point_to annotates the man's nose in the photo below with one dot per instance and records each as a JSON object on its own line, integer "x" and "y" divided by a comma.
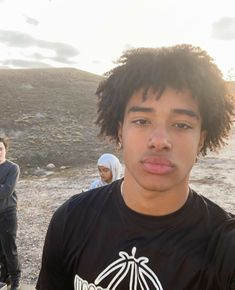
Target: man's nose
{"x": 159, "y": 139}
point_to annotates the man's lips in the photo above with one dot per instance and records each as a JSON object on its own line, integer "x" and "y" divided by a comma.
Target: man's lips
{"x": 157, "y": 165}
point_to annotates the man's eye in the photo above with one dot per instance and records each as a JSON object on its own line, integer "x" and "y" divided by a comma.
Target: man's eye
{"x": 182, "y": 126}
{"x": 141, "y": 122}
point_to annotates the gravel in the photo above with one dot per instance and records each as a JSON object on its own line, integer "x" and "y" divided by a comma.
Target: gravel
{"x": 39, "y": 197}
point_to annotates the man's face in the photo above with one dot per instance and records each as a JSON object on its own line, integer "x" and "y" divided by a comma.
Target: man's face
{"x": 161, "y": 139}
{"x": 2, "y": 152}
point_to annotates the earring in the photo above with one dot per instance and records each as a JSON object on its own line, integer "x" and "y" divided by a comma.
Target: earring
{"x": 120, "y": 145}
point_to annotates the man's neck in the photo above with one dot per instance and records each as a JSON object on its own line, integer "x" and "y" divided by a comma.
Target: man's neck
{"x": 155, "y": 203}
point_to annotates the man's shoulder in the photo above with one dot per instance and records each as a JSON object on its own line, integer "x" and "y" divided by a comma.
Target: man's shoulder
{"x": 223, "y": 238}
{"x": 223, "y": 246}
{"x": 80, "y": 212}
{"x": 227, "y": 232}
{"x": 213, "y": 209}
{"x": 86, "y": 202}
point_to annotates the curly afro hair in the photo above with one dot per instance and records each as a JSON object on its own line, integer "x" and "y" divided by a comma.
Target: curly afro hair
{"x": 180, "y": 67}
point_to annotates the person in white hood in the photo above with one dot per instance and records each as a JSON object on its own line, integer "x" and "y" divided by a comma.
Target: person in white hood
{"x": 109, "y": 168}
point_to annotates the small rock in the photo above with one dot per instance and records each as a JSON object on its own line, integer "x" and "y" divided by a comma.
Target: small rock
{"x": 64, "y": 167}
{"x": 50, "y": 166}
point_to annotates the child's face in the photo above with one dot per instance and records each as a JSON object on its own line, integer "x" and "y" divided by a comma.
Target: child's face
{"x": 105, "y": 174}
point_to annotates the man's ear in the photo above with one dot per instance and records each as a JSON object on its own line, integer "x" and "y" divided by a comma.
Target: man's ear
{"x": 120, "y": 132}
{"x": 120, "y": 145}
{"x": 202, "y": 140}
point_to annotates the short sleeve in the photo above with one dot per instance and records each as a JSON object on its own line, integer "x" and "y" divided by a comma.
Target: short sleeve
{"x": 53, "y": 275}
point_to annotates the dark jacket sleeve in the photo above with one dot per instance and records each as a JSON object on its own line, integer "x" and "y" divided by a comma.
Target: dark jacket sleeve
{"x": 7, "y": 187}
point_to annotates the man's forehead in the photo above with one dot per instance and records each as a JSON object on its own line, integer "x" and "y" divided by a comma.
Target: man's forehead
{"x": 144, "y": 94}
{"x": 179, "y": 101}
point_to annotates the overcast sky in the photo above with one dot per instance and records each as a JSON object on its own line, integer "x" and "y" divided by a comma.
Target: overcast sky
{"x": 91, "y": 34}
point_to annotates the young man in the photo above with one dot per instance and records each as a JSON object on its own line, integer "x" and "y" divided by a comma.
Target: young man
{"x": 149, "y": 230}
{"x": 9, "y": 175}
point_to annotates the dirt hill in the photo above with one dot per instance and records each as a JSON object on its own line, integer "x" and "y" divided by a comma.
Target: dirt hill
{"x": 49, "y": 114}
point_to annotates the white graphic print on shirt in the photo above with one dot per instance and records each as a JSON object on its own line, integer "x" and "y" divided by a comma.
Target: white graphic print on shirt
{"x": 141, "y": 276}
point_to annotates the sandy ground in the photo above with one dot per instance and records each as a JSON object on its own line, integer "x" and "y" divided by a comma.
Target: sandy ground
{"x": 213, "y": 176}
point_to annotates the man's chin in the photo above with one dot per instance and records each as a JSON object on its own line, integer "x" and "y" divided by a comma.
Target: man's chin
{"x": 155, "y": 186}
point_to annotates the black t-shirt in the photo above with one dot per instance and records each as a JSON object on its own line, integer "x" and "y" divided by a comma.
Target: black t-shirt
{"x": 95, "y": 241}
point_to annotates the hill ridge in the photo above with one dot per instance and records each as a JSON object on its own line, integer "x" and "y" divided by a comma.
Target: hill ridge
{"x": 49, "y": 115}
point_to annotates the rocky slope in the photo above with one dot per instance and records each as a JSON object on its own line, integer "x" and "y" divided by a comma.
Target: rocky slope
{"x": 49, "y": 116}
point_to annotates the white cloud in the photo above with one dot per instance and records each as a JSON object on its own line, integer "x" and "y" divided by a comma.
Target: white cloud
{"x": 92, "y": 34}
{"x": 31, "y": 20}
{"x": 63, "y": 53}
{"x": 224, "y": 28}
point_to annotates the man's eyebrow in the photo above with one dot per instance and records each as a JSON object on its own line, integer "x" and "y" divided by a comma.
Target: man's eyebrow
{"x": 187, "y": 112}
{"x": 140, "y": 109}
